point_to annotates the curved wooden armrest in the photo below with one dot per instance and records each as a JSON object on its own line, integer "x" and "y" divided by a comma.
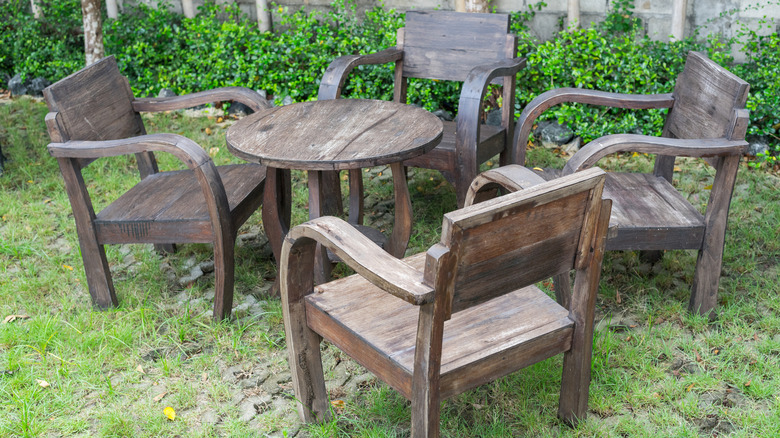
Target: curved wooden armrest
{"x": 337, "y": 72}
{"x": 186, "y": 150}
{"x": 480, "y": 76}
{"x": 248, "y": 97}
{"x": 359, "y": 253}
{"x": 578, "y": 95}
{"x": 609, "y": 144}
{"x": 511, "y": 178}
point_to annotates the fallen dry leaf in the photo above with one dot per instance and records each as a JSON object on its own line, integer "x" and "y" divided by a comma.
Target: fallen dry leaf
{"x": 170, "y": 413}
{"x": 208, "y": 131}
{"x": 140, "y": 369}
{"x": 689, "y": 387}
{"x": 338, "y": 404}
{"x": 42, "y": 383}
{"x": 159, "y": 396}
{"x": 12, "y": 318}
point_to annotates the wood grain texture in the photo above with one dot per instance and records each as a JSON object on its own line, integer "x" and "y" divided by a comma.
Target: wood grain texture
{"x": 548, "y": 99}
{"x": 248, "y": 97}
{"x": 432, "y": 348}
{"x": 476, "y": 49}
{"x": 334, "y": 134}
{"x": 92, "y": 116}
{"x": 707, "y": 119}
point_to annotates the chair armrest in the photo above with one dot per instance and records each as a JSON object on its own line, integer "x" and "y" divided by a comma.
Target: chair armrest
{"x": 186, "y": 150}
{"x": 248, "y": 97}
{"x": 337, "y": 72}
{"x": 601, "y": 147}
{"x": 475, "y": 86}
{"x": 577, "y": 95}
{"x": 511, "y": 178}
{"x": 359, "y": 253}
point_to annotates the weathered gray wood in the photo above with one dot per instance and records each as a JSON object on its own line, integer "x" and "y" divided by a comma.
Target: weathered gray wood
{"x": 475, "y": 49}
{"x": 706, "y": 119}
{"x": 248, "y": 97}
{"x": 92, "y": 116}
{"x": 429, "y": 345}
{"x": 334, "y": 134}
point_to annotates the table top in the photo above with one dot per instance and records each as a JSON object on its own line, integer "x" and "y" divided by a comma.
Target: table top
{"x": 334, "y": 134}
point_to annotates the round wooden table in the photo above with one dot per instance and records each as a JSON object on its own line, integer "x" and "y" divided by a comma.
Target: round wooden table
{"x": 332, "y": 135}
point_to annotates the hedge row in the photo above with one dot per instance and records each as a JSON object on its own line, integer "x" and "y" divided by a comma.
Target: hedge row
{"x": 157, "y": 49}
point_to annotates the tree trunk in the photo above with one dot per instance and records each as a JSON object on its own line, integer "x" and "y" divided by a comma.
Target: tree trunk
{"x": 574, "y": 14}
{"x": 678, "y": 19}
{"x": 478, "y": 6}
{"x": 93, "y": 30}
{"x": 263, "y": 17}
{"x": 112, "y": 9}
{"x": 460, "y": 5}
{"x": 188, "y": 8}
{"x": 36, "y": 9}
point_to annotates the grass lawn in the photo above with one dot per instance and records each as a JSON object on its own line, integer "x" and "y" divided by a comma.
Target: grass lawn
{"x": 69, "y": 370}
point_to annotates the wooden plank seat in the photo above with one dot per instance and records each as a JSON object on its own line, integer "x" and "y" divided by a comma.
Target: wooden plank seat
{"x": 706, "y": 119}
{"x": 461, "y": 314}
{"x": 169, "y": 207}
{"x": 524, "y": 324}
{"x": 93, "y": 114}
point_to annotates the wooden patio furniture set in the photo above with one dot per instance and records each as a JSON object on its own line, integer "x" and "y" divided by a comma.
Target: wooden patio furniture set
{"x": 465, "y": 312}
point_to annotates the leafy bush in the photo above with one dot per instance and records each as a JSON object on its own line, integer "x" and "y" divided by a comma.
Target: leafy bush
{"x": 221, "y": 46}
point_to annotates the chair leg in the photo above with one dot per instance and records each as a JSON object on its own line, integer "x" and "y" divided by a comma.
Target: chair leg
{"x": 303, "y": 344}
{"x": 463, "y": 177}
{"x": 704, "y": 294}
{"x": 224, "y": 278}
{"x": 426, "y": 402}
{"x": 101, "y": 287}
{"x": 706, "y": 278}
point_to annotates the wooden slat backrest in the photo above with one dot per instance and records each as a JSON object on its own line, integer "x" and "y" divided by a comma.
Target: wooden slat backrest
{"x": 705, "y": 98}
{"x": 94, "y": 104}
{"x": 447, "y": 45}
{"x": 519, "y": 239}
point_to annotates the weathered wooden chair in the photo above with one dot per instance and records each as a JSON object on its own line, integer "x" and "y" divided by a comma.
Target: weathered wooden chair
{"x": 476, "y": 49}
{"x": 707, "y": 118}
{"x": 439, "y": 323}
{"x": 93, "y": 114}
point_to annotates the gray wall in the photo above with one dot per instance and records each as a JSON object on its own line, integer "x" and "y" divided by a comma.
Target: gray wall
{"x": 655, "y": 14}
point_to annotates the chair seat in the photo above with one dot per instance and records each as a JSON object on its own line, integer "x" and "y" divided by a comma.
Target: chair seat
{"x": 648, "y": 213}
{"x": 169, "y": 207}
{"x": 480, "y": 344}
{"x": 442, "y": 157}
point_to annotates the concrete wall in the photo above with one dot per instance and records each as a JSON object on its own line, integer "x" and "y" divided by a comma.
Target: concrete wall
{"x": 655, "y": 14}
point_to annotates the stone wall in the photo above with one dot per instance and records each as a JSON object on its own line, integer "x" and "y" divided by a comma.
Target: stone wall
{"x": 655, "y": 14}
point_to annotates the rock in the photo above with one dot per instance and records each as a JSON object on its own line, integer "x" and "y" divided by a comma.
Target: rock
{"x": 252, "y": 406}
{"x": 573, "y": 146}
{"x": 757, "y": 145}
{"x": 239, "y": 109}
{"x": 552, "y": 134}
{"x": 210, "y": 417}
{"x": 254, "y": 381}
{"x": 494, "y": 117}
{"x": 207, "y": 266}
{"x": 166, "y": 92}
{"x": 263, "y": 94}
{"x": 195, "y": 273}
{"x": 37, "y": 85}
{"x": 287, "y": 100}
{"x": 17, "y": 86}
{"x": 443, "y": 114}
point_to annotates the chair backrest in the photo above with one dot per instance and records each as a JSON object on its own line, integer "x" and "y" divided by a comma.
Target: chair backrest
{"x": 447, "y": 45}
{"x": 518, "y": 239}
{"x": 94, "y": 103}
{"x": 706, "y": 97}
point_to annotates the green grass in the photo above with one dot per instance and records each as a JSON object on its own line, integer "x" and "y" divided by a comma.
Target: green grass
{"x": 657, "y": 371}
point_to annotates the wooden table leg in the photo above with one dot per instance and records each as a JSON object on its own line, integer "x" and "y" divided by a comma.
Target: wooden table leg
{"x": 322, "y": 265}
{"x": 402, "y": 226}
{"x": 277, "y": 204}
